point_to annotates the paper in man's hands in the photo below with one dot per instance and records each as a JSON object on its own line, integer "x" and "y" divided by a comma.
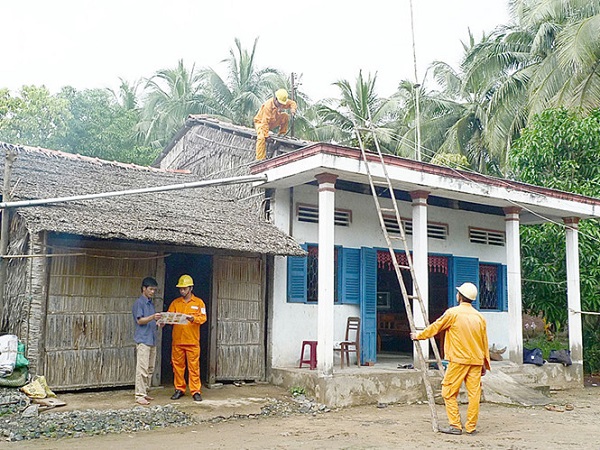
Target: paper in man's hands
{"x": 171, "y": 318}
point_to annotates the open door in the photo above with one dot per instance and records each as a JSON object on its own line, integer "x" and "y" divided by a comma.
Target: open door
{"x": 239, "y": 309}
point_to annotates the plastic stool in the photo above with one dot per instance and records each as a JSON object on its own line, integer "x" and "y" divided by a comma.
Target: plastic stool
{"x": 312, "y": 354}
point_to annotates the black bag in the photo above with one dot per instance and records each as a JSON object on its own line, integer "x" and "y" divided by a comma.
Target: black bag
{"x": 560, "y": 356}
{"x": 533, "y": 356}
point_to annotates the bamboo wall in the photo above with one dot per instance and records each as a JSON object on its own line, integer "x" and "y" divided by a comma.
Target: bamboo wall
{"x": 17, "y": 297}
{"x": 240, "y": 312}
{"x": 89, "y": 327}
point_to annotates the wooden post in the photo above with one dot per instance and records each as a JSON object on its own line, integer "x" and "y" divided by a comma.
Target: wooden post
{"x": 11, "y": 155}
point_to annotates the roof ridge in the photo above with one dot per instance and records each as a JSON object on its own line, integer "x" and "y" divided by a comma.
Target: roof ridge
{"x": 78, "y": 157}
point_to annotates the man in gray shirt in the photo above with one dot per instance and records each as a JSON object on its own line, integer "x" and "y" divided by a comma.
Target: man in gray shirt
{"x": 144, "y": 318}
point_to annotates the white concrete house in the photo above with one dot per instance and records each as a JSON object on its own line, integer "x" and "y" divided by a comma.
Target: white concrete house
{"x": 461, "y": 226}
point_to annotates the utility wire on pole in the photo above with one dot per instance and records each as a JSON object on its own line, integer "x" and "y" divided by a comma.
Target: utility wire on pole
{"x": 293, "y": 95}
{"x": 170, "y": 187}
{"x": 417, "y": 88}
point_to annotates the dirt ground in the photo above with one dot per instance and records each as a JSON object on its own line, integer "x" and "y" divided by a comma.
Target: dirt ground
{"x": 364, "y": 427}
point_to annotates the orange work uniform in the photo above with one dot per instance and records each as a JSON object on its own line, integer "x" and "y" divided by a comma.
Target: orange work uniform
{"x": 466, "y": 348}
{"x": 269, "y": 117}
{"x": 186, "y": 343}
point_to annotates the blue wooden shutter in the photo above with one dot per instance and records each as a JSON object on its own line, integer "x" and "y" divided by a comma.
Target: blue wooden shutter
{"x": 296, "y": 278}
{"x": 502, "y": 288}
{"x": 350, "y": 276}
{"x": 462, "y": 270}
{"x": 368, "y": 305}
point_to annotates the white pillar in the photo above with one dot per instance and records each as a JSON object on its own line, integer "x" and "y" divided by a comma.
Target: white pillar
{"x": 513, "y": 269}
{"x": 574, "y": 290}
{"x": 420, "y": 261}
{"x": 326, "y": 274}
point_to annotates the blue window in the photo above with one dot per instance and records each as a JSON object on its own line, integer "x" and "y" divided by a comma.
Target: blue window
{"x": 303, "y": 276}
{"x": 490, "y": 279}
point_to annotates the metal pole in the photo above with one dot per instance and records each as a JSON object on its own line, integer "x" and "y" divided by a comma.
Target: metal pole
{"x": 11, "y": 155}
{"x": 417, "y": 87}
{"x": 172, "y": 187}
{"x": 293, "y": 98}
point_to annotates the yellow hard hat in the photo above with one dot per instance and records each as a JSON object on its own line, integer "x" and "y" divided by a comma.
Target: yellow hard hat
{"x": 468, "y": 290}
{"x": 282, "y": 96}
{"x": 185, "y": 281}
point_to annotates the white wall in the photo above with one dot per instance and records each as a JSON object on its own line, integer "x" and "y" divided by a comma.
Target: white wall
{"x": 497, "y": 328}
{"x": 294, "y": 322}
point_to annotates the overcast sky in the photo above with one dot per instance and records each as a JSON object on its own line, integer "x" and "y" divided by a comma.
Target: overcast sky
{"x": 90, "y": 44}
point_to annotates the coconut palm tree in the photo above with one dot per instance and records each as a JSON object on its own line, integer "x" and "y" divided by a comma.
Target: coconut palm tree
{"x": 239, "y": 95}
{"x": 171, "y": 95}
{"x": 549, "y": 57}
{"x": 359, "y": 110}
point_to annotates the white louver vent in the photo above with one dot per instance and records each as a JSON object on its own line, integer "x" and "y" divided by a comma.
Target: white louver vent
{"x": 434, "y": 230}
{"x": 310, "y": 213}
{"x": 487, "y": 237}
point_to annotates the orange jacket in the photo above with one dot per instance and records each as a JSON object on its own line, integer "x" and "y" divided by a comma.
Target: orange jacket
{"x": 466, "y": 340}
{"x": 267, "y": 114}
{"x": 188, "y": 334}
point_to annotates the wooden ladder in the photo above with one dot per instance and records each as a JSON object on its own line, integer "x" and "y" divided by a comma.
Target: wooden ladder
{"x": 416, "y": 296}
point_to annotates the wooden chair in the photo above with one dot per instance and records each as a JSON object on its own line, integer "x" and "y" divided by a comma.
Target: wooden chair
{"x": 351, "y": 344}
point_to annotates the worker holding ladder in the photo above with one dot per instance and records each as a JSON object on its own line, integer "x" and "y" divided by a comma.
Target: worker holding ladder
{"x": 466, "y": 348}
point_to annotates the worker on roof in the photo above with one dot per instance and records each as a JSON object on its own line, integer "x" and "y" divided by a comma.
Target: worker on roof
{"x": 270, "y": 117}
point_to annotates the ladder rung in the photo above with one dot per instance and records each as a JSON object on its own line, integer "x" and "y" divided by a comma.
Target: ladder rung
{"x": 381, "y": 183}
{"x": 397, "y": 238}
{"x": 404, "y": 267}
{"x": 413, "y": 297}
{"x": 390, "y": 210}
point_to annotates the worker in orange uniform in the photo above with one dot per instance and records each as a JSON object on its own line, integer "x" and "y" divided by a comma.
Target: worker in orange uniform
{"x": 186, "y": 339}
{"x": 466, "y": 348}
{"x": 270, "y": 117}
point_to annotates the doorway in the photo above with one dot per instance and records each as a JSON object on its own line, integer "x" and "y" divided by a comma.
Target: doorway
{"x": 393, "y": 329}
{"x": 200, "y": 268}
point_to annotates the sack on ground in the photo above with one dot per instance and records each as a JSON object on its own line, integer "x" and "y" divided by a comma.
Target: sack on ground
{"x": 560, "y": 356}
{"x": 16, "y": 379}
{"x": 21, "y": 360}
{"x": 8, "y": 354}
{"x": 38, "y": 388}
{"x": 533, "y": 356}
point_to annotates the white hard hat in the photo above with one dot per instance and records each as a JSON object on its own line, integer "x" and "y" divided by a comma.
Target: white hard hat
{"x": 468, "y": 290}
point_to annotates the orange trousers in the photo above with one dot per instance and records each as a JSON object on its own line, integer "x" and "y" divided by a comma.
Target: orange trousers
{"x": 262, "y": 132}
{"x": 180, "y": 354}
{"x": 455, "y": 375}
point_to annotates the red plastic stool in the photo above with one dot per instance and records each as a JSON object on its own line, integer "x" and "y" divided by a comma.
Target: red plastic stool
{"x": 312, "y": 354}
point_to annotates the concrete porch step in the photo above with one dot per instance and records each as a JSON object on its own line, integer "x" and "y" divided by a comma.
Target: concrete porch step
{"x": 499, "y": 387}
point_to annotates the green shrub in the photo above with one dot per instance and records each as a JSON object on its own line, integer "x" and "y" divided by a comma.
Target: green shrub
{"x": 591, "y": 344}
{"x": 559, "y": 343}
{"x": 297, "y": 390}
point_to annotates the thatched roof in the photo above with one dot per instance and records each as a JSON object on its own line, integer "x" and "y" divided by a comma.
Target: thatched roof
{"x": 198, "y": 217}
{"x": 210, "y": 135}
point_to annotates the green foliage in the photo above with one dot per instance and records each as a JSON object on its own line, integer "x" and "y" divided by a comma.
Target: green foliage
{"x": 33, "y": 117}
{"x": 453, "y": 160}
{"x": 545, "y": 345}
{"x": 559, "y": 149}
{"x": 297, "y": 390}
{"x": 591, "y": 347}
{"x": 89, "y": 122}
{"x": 101, "y": 127}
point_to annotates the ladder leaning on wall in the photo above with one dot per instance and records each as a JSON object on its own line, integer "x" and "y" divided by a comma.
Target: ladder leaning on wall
{"x": 376, "y": 158}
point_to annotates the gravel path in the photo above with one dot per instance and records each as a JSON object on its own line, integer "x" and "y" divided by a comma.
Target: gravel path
{"x": 20, "y": 420}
